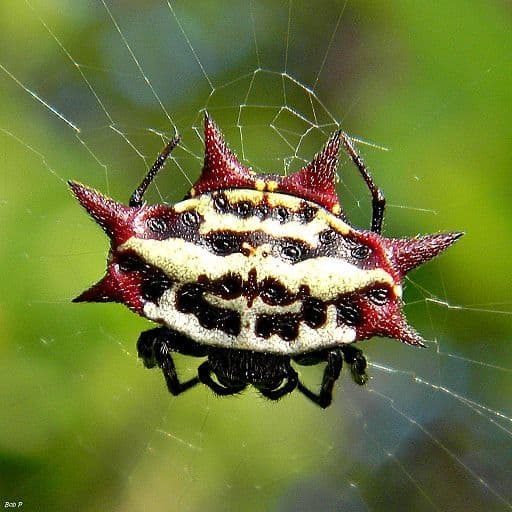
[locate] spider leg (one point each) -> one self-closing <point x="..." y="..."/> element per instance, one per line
<point x="292" y="380"/>
<point x="205" y="376"/>
<point x="171" y="377"/>
<point x="138" y="193"/>
<point x="378" y="199"/>
<point x="355" y="358"/>
<point x="154" y="347"/>
<point x="149" y="342"/>
<point x="332" y="371"/>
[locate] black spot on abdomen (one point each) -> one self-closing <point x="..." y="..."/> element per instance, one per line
<point x="273" y="293"/>
<point x="153" y="286"/>
<point x="314" y="312"/>
<point x="348" y="313"/>
<point x="153" y="281"/>
<point x="285" y="325"/>
<point x="228" y="287"/>
<point x="189" y="299"/>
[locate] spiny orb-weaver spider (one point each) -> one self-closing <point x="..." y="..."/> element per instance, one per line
<point x="254" y="271"/>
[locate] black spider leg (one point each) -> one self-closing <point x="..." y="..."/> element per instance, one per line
<point x="378" y="199"/>
<point x="136" y="197"/>
<point x="205" y="376"/>
<point x="355" y="358"/>
<point x="292" y="381"/>
<point x="334" y="359"/>
<point x="154" y="347"/>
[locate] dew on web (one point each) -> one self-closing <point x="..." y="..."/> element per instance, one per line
<point x="432" y="430"/>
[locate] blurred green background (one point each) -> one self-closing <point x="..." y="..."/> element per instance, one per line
<point x="83" y="426"/>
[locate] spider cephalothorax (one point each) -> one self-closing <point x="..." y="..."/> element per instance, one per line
<point x="253" y="271"/>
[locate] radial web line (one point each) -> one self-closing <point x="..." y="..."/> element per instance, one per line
<point x="253" y="26"/>
<point x="443" y="447"/>
<point x="78" y="66"/>
<point x="402" y="469"/>
<point x="35" y="151"/>
<point x="329" y="45"/>
<point x="137" y="63"/>
<point x="192" y="49"/>
<point x="73" y="61"/>
<point x="471" y="404"/>
<point x="290" y="4"/>
<point x="38" y="98"/>
<point x="478" y="408"/>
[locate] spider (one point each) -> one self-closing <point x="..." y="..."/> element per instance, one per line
<point x="256" y="271"/>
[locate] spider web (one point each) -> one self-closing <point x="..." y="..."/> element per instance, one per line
<point x="92" y="92"/>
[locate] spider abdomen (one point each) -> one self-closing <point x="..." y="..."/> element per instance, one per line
<point x="274" y="283"/>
